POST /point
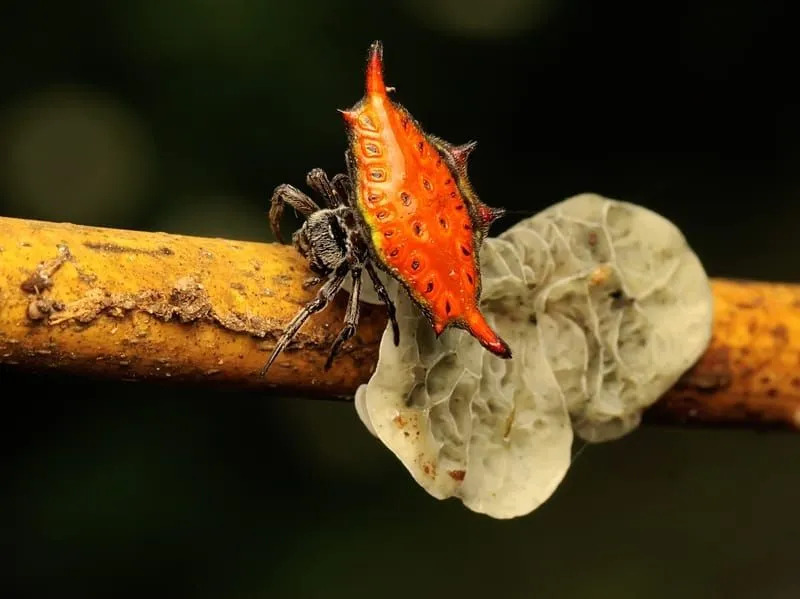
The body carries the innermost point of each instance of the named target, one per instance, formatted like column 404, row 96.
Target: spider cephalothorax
column 405, row 206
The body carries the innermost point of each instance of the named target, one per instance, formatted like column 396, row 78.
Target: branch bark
column 142, row 306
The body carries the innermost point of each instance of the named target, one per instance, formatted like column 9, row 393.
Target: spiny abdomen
column 425, row 225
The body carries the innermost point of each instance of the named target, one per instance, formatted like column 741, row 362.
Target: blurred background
column 183, row 115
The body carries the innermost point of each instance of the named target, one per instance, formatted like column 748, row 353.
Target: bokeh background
column 183, row 115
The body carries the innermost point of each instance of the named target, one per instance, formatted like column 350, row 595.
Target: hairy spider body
column 328, row 238
column 334, row 246
column 406, row 206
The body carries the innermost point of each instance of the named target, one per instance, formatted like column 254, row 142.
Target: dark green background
column 183, row 115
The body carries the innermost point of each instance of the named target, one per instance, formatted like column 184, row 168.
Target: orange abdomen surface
column 424, row 223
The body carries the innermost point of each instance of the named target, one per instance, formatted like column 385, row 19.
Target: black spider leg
column 341, row 184
column 324, row 296
column 328, row 189
column 350, row 317
column 287, row 194
column 384, row 296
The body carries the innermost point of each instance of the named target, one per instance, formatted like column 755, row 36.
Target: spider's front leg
column 341, row 183
column 350, row 317
column 287, row 194
column 380, row 289
column 336, row 192
column 311, row 281
column 325, row 295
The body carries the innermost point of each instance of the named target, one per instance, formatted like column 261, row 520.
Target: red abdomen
column 424, row 222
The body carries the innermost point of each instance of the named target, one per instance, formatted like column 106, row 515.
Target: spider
column 405, row 206
column 332, row 242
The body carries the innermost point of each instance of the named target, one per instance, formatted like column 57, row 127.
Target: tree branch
column 141, row 306
column 750, row 373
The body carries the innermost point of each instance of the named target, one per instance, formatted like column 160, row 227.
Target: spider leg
column 318, row 180
column 351, row 167
column 384, row 296
column 324, row 296
column 286, row 194
column 350, row 317
column 342, row 186
column 312, row 281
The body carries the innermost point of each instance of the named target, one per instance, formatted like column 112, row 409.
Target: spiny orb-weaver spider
column 334, row 246
column 405, row 206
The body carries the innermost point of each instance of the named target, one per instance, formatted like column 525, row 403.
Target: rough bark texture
column 137, row 305
column 750, row 373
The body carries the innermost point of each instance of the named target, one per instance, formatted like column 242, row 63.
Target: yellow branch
column 750, row 373
column 137, row 305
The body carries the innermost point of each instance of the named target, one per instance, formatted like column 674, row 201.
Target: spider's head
column 322, row 241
